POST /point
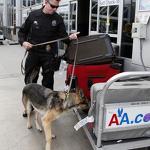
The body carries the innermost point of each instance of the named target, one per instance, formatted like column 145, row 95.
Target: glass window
column 94, row 16
column 38, row 1
column 108, row 19
column 102, row 19
column 28, row 3
column 63, row 11
column 113, row 22
column 13, row 2
column 32, row 2
column 24, row 2
column 73, row 16
column 144, row 5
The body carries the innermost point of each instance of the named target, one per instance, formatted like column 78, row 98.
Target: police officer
column 42, row 25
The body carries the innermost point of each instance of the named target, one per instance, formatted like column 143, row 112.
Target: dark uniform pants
column 32, row 68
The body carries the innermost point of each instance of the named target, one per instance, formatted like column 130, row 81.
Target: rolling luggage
column 86, row 75
column 95, row 49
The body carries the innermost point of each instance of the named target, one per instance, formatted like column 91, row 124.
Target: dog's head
column 62, row 101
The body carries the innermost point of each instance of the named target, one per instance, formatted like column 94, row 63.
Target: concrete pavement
column 14, row 135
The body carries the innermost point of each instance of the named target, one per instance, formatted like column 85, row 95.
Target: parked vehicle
column 1, row 37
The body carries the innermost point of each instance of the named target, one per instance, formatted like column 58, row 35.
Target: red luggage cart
column 86, row 75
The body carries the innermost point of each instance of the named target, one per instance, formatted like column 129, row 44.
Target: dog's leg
column 29, row 126
column 24, row 101
column 47, row 121
column 53, row 136
column 38, row 127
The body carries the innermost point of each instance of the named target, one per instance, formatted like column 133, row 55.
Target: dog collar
column 67, row 95
column 76, row 105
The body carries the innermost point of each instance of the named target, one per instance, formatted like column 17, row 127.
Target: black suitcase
column 95, row 49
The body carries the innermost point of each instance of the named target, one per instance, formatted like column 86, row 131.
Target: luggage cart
column 108, row 133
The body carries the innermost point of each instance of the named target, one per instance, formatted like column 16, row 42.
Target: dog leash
column 53, row 41
column 73, row 69
column 22, row 61
column 49, row 42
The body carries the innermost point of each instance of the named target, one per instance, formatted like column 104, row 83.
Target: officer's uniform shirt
column 40, row 27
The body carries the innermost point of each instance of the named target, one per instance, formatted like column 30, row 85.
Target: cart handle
column 122, row 76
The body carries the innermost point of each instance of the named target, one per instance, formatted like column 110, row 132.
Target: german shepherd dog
column 49, row 104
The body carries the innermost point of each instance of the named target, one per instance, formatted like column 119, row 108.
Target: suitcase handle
column 98, row 57
column 82, row 42
column 116, row 66
column 90, row 82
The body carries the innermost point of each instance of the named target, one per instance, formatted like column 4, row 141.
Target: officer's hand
column 73, row 36
column 27, row 45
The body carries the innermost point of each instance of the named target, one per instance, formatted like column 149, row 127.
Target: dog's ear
column 47, row 92
column 54, row 100
column 50, row 102
column 52, row 97
column 62, row 95
column 80, row 93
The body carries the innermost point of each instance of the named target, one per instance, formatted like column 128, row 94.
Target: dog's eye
column 59, row 101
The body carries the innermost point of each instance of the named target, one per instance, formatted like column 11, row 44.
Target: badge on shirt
column 48, row 48
column 35, row 22
column 54, row 23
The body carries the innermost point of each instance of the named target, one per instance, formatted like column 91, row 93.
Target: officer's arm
column 24, row 31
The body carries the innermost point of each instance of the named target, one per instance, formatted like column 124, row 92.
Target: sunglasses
column 53, row 6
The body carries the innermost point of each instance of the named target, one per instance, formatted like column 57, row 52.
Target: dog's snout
column 65, row 105
column 68, row 104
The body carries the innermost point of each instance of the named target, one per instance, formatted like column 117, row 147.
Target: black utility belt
column 46, row 48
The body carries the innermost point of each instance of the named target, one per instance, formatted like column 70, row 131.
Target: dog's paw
column 29, row 126
column 39, row 129
column 24, row 114
column 53, row 136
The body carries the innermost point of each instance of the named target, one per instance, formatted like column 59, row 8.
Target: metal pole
column 98, row 17
column 69, row 7
column 5, row 16
column 90, row 19
column 108, row 19
column 120, row 22
column 18, row 13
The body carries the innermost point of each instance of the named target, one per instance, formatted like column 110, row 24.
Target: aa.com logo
column 121, row 117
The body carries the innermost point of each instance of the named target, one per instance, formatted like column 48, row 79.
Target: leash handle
column 22, row 67
column 53, row 41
